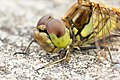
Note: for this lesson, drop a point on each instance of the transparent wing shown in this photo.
(105, 25)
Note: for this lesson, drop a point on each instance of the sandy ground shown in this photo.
(17, 20)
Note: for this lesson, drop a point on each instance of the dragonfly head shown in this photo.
(51, 34)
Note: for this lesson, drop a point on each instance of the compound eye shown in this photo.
(56, 26)
(41, 25)
(50, 25)
(44, 20)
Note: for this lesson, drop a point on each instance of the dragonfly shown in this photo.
(86, 25)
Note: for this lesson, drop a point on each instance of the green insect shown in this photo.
(82, 27)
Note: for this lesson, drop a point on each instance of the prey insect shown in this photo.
(86, 25)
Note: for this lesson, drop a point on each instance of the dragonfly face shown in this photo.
(51, 34)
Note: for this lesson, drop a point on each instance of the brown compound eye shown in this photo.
(52, 25)
(56, 26)
(41, 23)
(44, 20)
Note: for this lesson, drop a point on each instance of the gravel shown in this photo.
(17, 20)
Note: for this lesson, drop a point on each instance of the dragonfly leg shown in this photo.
(26, 52)
(110, 54)
(99, 53)
(67, 53)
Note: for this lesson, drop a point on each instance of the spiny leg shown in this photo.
(96, 33)
(26, 52)
(93, 47)
(57, 61)
(82, 48)
(103, 33)
(105, 56)
(110, 54)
